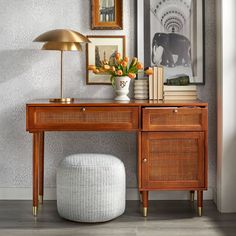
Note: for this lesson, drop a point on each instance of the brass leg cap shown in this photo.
(35, 211)
(40, 199)
(145, 210)
(199, 211)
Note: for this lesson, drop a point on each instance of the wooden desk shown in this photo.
(171, 138)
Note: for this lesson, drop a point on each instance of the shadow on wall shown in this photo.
(14, 63)
(15, 146)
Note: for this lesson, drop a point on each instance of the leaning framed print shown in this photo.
(107, 14)
(100, 51)
(171, 33)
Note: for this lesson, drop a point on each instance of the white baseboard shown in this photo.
(131, 194)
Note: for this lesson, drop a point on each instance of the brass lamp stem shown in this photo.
(61, 74)
(61, 99)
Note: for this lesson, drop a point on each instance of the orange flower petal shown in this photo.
(91, 67)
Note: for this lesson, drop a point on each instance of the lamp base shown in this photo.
(61, 100)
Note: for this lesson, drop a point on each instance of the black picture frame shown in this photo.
(196, 68)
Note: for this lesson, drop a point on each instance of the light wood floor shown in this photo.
(166, 218)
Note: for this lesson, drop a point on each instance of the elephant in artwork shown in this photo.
(172, 44)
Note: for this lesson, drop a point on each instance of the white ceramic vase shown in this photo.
(122, 88)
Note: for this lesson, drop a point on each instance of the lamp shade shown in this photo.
(62, 35)
(62, 46)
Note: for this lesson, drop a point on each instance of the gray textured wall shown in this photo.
(27, 73)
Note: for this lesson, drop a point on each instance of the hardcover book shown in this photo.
(180, 88)
(151, 87)
(155, 83)
(180, 93)
(160, 75)
(186, 97)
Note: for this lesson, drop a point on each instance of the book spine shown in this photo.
(150, 86)
(160, 83)
(180, 93)
(180, 88)
(155, 96)
(180, 97)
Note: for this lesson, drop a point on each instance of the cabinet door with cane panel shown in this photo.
(173, 160)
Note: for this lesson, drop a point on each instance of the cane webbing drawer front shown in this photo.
(83, 118)
(173, 159)
(174, 119)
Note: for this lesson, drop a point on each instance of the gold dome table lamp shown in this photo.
(62, 40)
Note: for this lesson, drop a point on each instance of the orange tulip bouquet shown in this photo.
(121, 71)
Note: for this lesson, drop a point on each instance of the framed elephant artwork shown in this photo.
(171, 33)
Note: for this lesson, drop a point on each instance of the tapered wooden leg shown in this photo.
(41, 167)
(36, 144)
(192, 196)
(199, 202)
(145, 202)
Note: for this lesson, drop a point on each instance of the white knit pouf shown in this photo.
(91, 188)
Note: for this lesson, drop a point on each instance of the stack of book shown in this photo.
(156, 83)
(186, 92)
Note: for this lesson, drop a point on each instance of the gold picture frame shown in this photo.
(102, 48)
(107, 14)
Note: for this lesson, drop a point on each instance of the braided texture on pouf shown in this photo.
(91, 188)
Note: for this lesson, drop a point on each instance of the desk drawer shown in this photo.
(174, 119)
(82, 118)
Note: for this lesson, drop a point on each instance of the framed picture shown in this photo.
(107, 14)
(171, 33)
(101, 49)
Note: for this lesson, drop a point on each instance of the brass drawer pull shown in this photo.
(145, 160)
(175, 111)
(83, 109)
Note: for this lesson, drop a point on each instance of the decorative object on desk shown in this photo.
(101, 51)
(120, 71)
(107, 14)
(121, 86)
(156, 83)
(178, 80)
(62, 40)
(141, 88)
(185, 92)
(171, 34)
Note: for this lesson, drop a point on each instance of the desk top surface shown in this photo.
(106, 102)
